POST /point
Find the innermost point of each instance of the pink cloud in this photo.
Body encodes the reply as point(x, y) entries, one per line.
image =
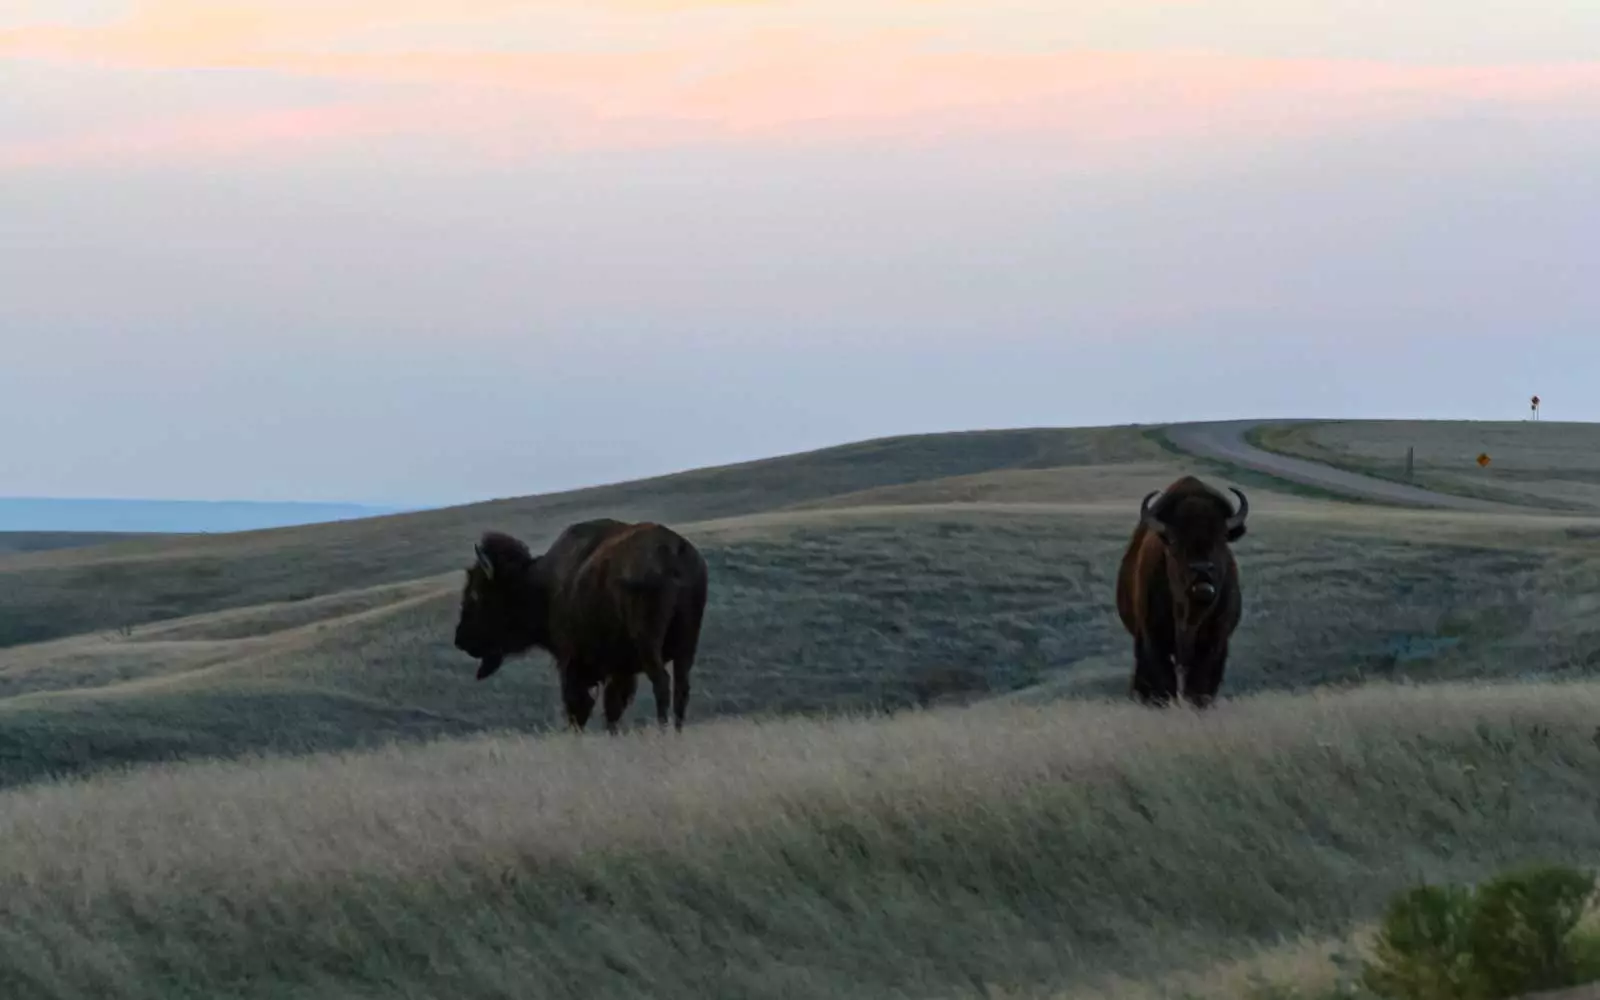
point(288, 131)
point(777, 86)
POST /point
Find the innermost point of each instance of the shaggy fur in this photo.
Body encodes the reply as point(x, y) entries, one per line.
point(1178, 592)
point(608, 600)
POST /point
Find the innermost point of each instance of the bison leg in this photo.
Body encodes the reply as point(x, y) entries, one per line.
point(577, 698)
point(661, 685)
point(619, 695)
point(1155, 679)
point(1201, 681)
point(683, 641)
point(680, 688)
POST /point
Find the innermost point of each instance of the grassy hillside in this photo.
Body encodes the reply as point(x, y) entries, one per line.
point(838, 610)
point(949, 588)
point(58, 594)
point(417, 834)
point(996, 850)
point(46, 541)
point(86, 514)
point(1543, 464)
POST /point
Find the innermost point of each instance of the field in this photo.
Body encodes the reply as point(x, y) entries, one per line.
point(1545, 464)
point(44, 541)
point(1047, 851)
point(1412, 693)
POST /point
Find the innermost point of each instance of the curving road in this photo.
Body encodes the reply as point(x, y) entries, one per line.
point(1224, 440)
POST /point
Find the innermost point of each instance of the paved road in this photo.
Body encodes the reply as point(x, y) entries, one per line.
point(1224, 440)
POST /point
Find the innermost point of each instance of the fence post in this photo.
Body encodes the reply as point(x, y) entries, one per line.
point(1409, 451)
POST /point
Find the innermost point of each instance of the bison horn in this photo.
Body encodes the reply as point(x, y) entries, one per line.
point(1148, 517)
point(1244, 509)
point(484, 562)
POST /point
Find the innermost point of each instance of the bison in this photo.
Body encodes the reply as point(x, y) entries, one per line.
point(608, 600)
point(1178, 591)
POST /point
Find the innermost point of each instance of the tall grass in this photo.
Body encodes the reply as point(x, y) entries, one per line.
point(825, 612)
point(939, 854)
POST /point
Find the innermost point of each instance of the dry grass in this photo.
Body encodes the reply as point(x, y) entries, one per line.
point(946, 589)
point(938, 854)
point(48, 541)
point(61, 593)
point(1039, 843)
point(831, 610)
point(1543, 464)
point(1307, 969)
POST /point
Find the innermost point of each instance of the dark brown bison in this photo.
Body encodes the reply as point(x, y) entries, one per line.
point(1178, 591)
point(608, 600)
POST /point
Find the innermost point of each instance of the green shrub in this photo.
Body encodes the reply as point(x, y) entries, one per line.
point(1515, 934)
point(1520, 927)
point(1423, 950)
point(1584, 947)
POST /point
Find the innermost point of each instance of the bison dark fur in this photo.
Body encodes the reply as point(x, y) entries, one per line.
point(608, 600)
point(1178, 591)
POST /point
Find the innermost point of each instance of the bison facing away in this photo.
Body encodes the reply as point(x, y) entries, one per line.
point(1178, 591)
point(608, 600)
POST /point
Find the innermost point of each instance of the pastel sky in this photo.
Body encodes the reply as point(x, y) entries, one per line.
point(420, 252)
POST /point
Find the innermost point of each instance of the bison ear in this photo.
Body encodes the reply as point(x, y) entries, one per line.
point(484, 562)
point(1235, 533)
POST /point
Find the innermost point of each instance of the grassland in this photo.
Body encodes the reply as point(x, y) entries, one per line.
point(1538, 464)
point(46, 541)
point(1047, 851)
point(1412, 692)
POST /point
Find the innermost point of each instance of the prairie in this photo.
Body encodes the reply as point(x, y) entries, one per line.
point(253, 765)
point(1542, 463)
point(1064, 850)
point(45, 541)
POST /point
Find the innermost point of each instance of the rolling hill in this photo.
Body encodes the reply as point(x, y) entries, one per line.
point(877, 575)
point(1072, 851)
point(1412, 692)
point(89, 514)
point(1550, 464)
point(45, 541)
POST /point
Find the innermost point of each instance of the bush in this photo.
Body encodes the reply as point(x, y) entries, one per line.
point(1520, 928)
point(1515, 934)
point(1423, 950)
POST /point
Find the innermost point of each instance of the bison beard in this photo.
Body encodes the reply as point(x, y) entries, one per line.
point(1178, 592)
point(608, 600)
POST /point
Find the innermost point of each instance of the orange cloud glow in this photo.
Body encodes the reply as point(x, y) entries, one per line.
point(204, 136)
point(731, 79)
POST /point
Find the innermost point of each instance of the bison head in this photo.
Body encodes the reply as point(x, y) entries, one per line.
point(1195, 527)
point(502, 610)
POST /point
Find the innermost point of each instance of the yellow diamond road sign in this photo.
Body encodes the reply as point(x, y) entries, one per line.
point(1483, 459)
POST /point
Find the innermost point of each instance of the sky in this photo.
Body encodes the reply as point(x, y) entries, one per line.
point(415, 252)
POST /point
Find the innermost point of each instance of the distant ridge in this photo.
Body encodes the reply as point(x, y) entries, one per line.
point(20, 542)
point(171, 516)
